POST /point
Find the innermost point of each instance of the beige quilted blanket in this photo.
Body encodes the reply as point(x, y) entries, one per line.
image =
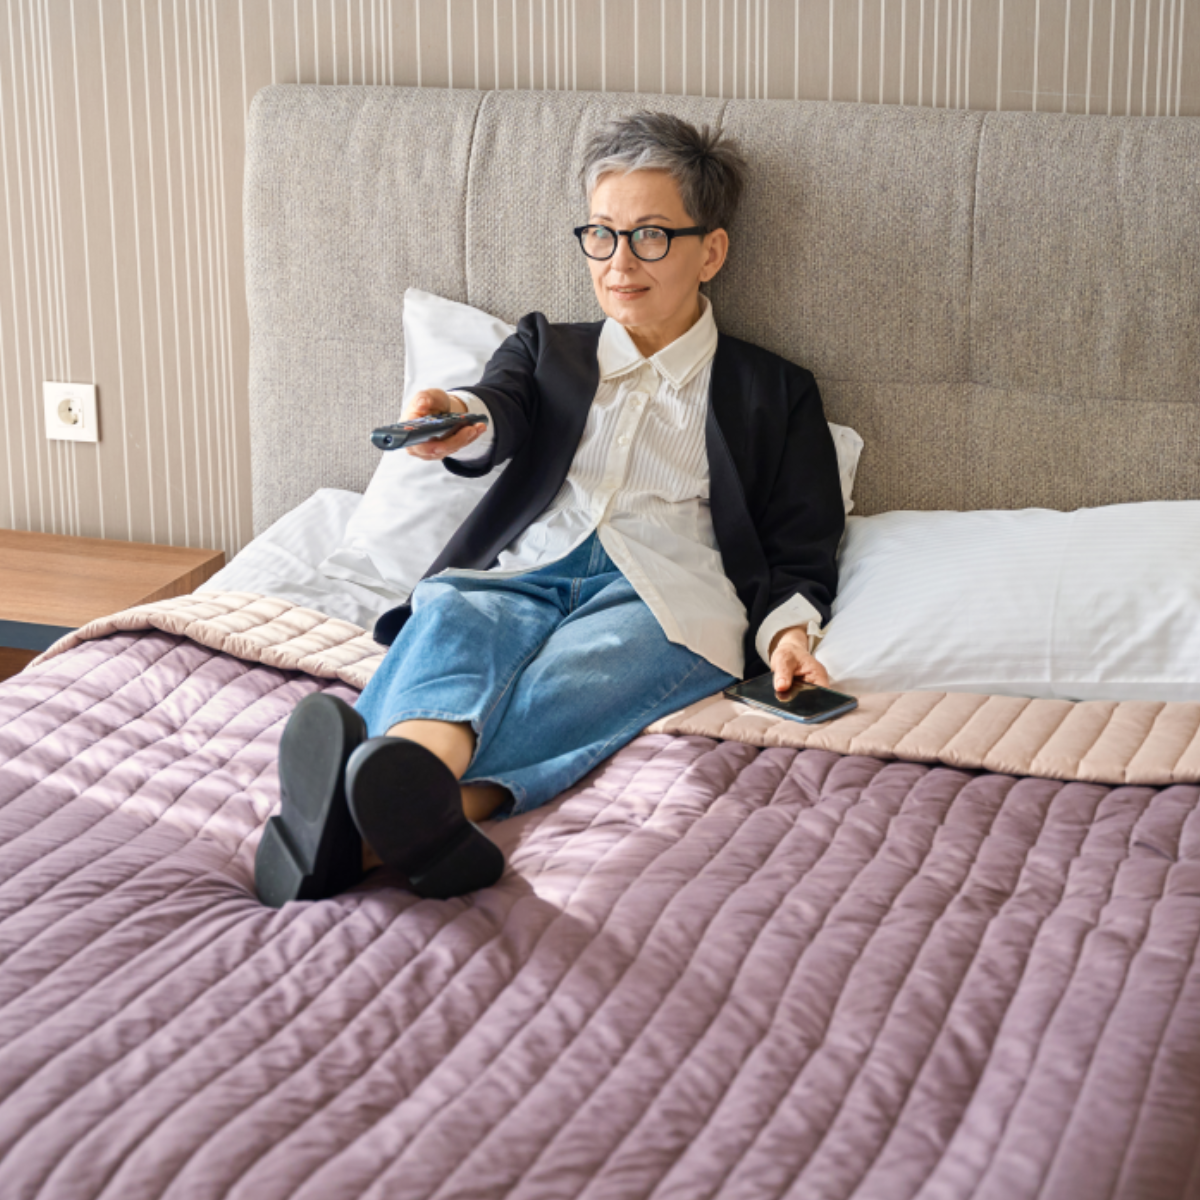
point(1130, 742)
point(254, 628)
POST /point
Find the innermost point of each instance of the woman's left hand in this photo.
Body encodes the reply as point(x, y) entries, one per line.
point(792, 661)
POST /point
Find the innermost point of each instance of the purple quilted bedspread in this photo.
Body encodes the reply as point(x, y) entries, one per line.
point(710, 970)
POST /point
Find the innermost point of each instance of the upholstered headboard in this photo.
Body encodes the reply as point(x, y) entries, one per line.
point(1005, 305)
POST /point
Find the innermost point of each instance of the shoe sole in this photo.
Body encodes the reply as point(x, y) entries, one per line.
point(312, 849)
point(407, 805)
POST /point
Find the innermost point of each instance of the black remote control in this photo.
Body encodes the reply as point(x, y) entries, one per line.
point(422, 429)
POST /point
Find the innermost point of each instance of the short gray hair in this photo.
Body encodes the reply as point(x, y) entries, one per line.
point(708, 168)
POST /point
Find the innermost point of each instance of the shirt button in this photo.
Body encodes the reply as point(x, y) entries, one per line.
point(623, 439)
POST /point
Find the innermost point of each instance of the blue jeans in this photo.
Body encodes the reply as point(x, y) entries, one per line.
point(554, 669)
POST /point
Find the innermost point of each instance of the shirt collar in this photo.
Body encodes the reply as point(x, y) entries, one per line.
point(676, 363)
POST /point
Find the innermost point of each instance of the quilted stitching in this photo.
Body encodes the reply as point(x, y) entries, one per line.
point(711, 969)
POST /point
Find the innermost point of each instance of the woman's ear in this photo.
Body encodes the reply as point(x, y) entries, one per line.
point(716, 248)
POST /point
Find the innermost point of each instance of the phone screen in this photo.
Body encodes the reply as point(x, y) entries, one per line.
point(802, 702)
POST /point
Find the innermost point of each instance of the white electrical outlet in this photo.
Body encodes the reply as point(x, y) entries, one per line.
point(71, 412)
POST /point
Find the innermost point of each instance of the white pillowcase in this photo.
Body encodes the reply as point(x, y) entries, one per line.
point(1097, 604)
point(412, 508)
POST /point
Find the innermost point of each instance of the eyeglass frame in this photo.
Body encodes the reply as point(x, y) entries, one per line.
point(627, 234)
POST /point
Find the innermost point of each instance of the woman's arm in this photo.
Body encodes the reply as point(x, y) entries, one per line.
point(800, 532)
point(509, 393)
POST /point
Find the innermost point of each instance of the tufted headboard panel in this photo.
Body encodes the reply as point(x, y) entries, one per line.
point(1005, 305)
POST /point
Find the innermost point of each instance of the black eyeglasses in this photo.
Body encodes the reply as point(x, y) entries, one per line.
point(648, 242)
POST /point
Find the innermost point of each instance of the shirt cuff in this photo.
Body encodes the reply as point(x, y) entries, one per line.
point(796, 611)
point(481, 447)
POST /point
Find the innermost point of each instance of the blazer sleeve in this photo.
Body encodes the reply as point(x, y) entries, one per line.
point(805, 516)
point(509, 390)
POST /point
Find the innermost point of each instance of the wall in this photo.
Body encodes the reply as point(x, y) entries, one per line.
point(121, 141)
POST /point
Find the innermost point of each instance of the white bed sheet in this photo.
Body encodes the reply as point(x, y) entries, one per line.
point(283, 561)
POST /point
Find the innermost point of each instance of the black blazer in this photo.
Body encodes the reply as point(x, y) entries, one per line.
point(774, 493)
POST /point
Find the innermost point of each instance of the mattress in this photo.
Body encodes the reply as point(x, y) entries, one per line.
point(713, 968)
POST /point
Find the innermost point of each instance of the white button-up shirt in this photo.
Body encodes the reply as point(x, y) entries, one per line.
point(640, 480)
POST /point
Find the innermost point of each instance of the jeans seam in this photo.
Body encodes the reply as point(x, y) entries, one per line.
point(428, 714)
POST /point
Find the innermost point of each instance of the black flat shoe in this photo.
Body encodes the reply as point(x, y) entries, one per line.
point(408, 807)
point(312, 849)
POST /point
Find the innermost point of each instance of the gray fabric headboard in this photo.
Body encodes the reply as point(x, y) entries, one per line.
point(1005, 305)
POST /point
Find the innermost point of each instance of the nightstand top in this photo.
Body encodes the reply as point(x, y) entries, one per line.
point(53, 579)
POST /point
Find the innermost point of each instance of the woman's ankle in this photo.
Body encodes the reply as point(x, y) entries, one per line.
point(453, 742)
point(483, 800)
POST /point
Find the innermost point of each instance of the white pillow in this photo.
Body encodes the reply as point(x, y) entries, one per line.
point(1101, 603)
point(412, 508)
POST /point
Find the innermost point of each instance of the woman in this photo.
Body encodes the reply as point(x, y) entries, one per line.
point(668, 523)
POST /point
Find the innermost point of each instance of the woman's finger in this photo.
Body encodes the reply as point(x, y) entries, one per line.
point(460, 440)
point(784, 664)
point(431, 402)
point(813, 672)
point(445, 447)
point(419, 406)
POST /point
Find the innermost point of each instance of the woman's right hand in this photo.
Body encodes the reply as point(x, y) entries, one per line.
point(432, 402)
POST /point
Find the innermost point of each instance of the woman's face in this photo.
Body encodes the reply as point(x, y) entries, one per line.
point(655, 301)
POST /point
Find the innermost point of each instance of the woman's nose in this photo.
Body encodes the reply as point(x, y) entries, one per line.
point(624, 257)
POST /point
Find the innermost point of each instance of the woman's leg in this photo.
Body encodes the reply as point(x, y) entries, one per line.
point(452, 665)
point(601, 677)
point(441, 692)
point(442, 679)
point(447, 678)
point(446, 681)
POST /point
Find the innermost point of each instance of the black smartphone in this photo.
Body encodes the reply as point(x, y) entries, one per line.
point(804, 702)
point(422, 429)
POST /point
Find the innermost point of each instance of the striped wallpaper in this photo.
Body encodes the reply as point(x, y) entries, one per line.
point(121, 142)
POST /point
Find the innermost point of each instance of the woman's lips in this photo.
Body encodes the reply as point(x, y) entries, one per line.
point(625, 294)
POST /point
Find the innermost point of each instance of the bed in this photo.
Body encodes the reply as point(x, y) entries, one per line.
point(943, 947)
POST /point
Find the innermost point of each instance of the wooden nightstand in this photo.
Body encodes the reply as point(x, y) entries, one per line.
point(51, 584)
